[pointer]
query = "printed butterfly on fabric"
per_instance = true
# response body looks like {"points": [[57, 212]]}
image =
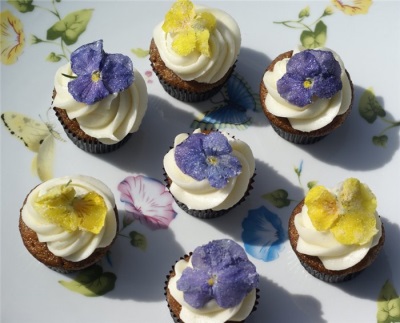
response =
{"points": [[238, 100], [37, 136]]}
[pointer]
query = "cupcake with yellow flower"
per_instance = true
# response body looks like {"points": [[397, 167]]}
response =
{"points": [[337, 233], [69, 223], [194, 50]]}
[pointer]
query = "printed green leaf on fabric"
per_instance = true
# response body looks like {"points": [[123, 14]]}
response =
{"points": [[91, 282], [53, 57], [140, 52], [313, 39], [70, 27], [388, 304], [22, 5], [138, 240], [278, 198], [369, 107]]}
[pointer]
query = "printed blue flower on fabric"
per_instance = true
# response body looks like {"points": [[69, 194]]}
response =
{"points": [[208, 156], [263, 234], [98, 74], [310, 74], [221, 271]]}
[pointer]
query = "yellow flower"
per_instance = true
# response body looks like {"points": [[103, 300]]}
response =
{"points": [[12, 40], [190, 31], [349, 216], [353, 7]]}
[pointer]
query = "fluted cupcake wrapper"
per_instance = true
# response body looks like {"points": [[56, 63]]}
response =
{"points": [[175, 318], [296, 138], [329, 278], [92, 145], [192, 96], [95, 147], [186, 96], [209, 213]]}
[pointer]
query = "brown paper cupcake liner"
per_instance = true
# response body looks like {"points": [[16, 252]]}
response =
{"points": [[82, 140], [209, 213]]}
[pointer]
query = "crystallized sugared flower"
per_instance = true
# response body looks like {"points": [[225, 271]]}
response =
{"points": [[98, 74], [349, 216], [190, 31], [309, 74], [221, 271], [208, 157], [61, 206]]}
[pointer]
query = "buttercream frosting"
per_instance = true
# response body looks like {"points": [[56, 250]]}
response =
{"points": [[211, 313], [322, 244], [79, 244], [200, 195], [109, 120], [315, 115], [224, 42]]}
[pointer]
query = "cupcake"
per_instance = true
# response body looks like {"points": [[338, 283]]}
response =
{"points": [[194, 50], [306, 94], [337, 233], [215, 283], [99, 98], [209, 173], [69, 223]]}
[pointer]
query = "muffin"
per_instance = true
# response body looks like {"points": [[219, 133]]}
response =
{"points": [[69, 223], [337, 233], [209, 173], [99, 98], [194, 50], [215, 283], [306, 94]]}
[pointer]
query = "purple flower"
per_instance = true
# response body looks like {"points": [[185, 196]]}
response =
{"points": [[148, 201], [203, 156], [221, 271], [98, 74], [309, 74]]}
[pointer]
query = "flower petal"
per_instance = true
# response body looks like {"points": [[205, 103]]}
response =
{"points": [[303, 64], [216, 144], [83, 89], [263, 234], [117, 72], [190, 157], [195, 285], [293, 90], [87, 58], [148, 201]]}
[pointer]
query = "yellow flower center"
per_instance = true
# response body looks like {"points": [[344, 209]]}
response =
{"points": [[96, 76], [212, 160], [307, 83]]}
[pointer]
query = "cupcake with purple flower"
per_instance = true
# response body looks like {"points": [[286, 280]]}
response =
{"points": [[215, 283], [99, 98], [209, 173], [306, 94]]}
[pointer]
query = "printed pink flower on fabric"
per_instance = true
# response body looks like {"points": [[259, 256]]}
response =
{"points": [[147, 200]]}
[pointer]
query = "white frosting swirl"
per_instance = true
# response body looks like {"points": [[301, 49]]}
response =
{"points": [[315, 115], [109, 120], [322, 244], [224, 42], [77, 245], [200, 195], [211, 312]]}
